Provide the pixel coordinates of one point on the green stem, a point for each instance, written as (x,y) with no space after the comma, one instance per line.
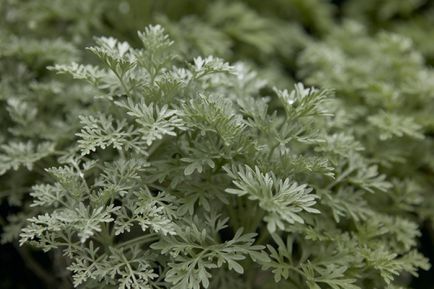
(264,234)
(141,239)
(105,237)
(121,80)
(346,173)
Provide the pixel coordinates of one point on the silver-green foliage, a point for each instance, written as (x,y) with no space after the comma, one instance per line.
(383,81)
(194,173)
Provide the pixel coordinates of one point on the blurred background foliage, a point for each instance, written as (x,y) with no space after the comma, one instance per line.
(376,54)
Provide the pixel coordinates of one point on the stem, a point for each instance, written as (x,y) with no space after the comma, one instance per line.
(257,216)
(340,178)
(264,234)
(270,153)
(129,268)
(121,80)
(105,237)
(144,238)
(75,165)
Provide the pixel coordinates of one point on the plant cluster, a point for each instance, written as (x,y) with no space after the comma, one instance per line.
(224,147)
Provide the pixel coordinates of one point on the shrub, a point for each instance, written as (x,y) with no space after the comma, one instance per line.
(257,144)
(193,173)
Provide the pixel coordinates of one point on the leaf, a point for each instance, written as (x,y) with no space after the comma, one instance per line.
(16,154)
(303,102)
(154,122)
(157,52)
(194,258)
(331,275)
(102,131)
(210,65)
(391,125)
(283,200)
(196,165)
